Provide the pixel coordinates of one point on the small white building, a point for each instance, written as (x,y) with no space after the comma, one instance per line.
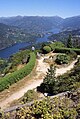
(33,48)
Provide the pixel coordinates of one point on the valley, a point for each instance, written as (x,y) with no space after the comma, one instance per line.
(39,58)
(28,29)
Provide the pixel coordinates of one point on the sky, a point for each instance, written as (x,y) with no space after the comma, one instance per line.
(62,8)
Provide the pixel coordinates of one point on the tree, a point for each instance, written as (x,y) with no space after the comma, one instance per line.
(49,82)
(69,42)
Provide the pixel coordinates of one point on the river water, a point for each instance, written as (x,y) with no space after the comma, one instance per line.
(7,52)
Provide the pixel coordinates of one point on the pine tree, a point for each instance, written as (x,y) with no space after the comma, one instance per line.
(50,80)
(69,42)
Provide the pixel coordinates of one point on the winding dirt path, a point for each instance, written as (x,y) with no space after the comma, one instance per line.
(41,70)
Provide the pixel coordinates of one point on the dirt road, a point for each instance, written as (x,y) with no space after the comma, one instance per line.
(41,70)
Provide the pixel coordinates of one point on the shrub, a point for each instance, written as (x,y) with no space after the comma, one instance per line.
(62,59)
(65,50)
(10,79)
(29,96)
(72,54)
(56,45)
(46,49)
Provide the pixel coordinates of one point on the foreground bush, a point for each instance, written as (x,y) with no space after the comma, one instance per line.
(62,59)
(56,108)
(29,96)
(46,49)
(10,79)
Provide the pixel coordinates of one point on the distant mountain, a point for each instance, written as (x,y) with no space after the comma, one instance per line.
(41,24)
(26,28)
(71,23)
(33,23)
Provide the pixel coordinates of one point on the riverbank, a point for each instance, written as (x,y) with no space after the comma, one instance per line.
(7,52)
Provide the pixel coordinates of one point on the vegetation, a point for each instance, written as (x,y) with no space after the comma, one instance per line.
(69,42)
(29,96)
(33,23)
(65,50)
(62,59)
(48,84)
(9,35)
(3,64)
(46,49)
(10,65)
(63,83)
(18,58)
(9,79)
(64,107)
(57,45)
(56,108)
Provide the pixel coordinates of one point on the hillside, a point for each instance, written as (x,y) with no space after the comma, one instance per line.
(40,24)
(63,36)
(33,23)
(71,23)
(27,28)
(10,35)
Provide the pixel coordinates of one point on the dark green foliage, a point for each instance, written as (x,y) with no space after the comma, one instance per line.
(8,80)
(69,42)
(56,45)
(42,45)
(62,59)
(49,82)
(46,49)
(72,54)
(65,50)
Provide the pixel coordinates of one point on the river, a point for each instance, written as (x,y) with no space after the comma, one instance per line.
(7,52)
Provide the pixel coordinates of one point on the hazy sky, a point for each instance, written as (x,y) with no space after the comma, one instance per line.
(63,8)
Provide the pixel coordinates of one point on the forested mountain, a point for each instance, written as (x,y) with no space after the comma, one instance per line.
(63,36)
(40,24)
(71,23)
(10,35)
(26,28)
(4,33)
(33,23)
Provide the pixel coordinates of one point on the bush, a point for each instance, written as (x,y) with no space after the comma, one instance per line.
(10,79)
(62,59)
(65,50)
(46,49)
(72,54)
(29,96)
(56,45)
